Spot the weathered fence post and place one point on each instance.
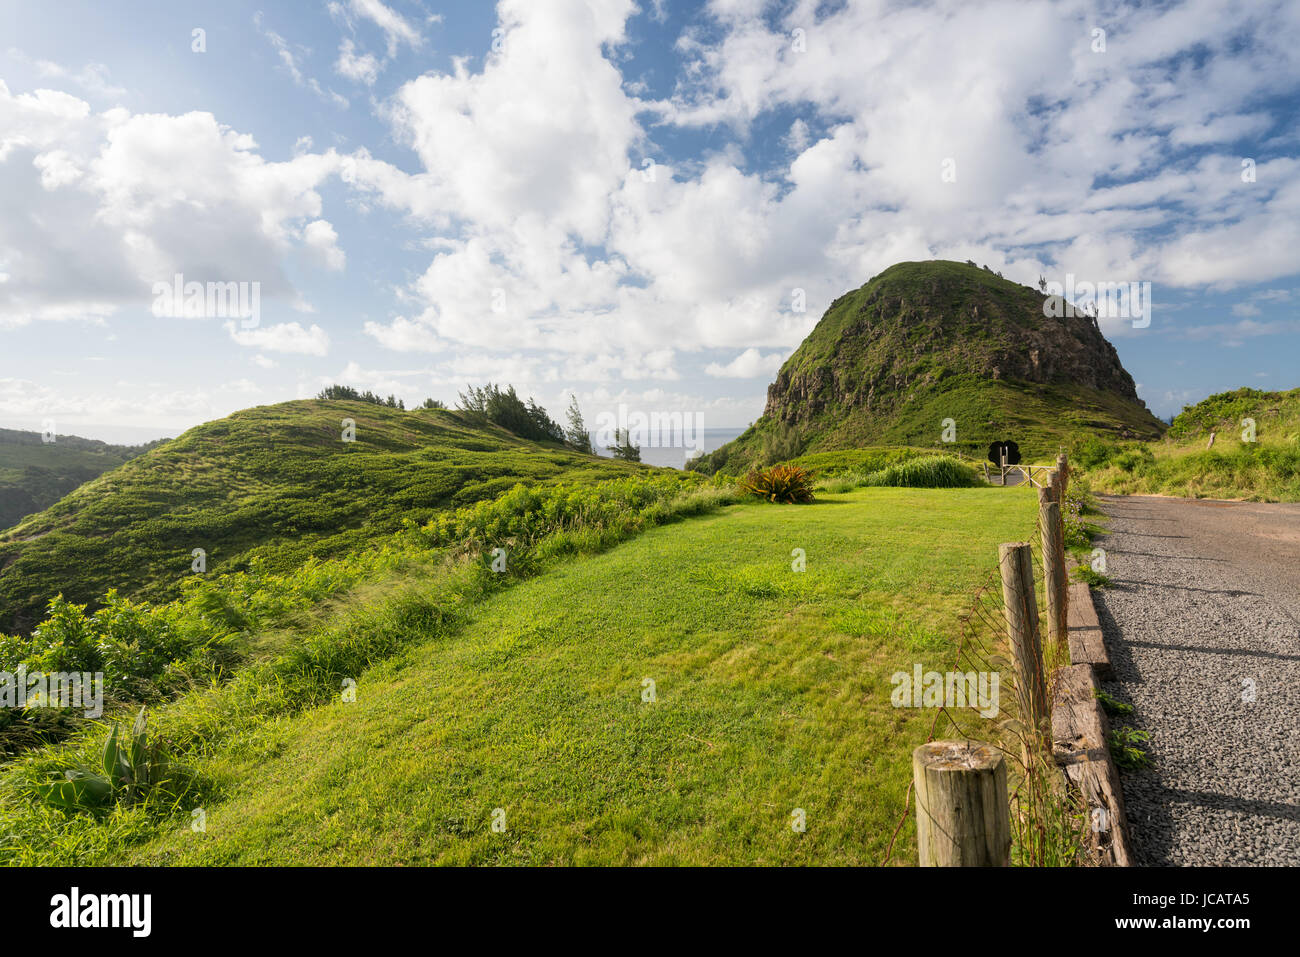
(1020, 605)
(1062, 475)
(962, 815)
(1052, 528)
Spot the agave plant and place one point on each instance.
(780, 483)
(130, 767)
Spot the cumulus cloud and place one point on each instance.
(750, 364)
(984, 130)
(97, 207)
(283, 337)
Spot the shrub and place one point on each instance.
(1134, 459)
(503, 407)
(65, 640)
(1092, 452)
(788, 484)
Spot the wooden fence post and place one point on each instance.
(962, 815)
(1063, 475)
(1054, 580)
(1020, 605)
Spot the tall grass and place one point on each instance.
(1250, 471)
(931, 471)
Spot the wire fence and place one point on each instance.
(1049, 823)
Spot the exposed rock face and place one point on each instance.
(917, 323)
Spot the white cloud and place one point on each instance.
(362, 68)
(93, 78)
(321, 237)
(750, 364)
(283, 337)
(1236, 333)
(290, 61)
(397, 30)
(99, 206)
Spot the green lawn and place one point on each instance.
(772, 694)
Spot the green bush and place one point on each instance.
(1126, 747)
(65, 641)
(1092, 452)
(1134, 459)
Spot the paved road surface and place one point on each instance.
(1205, 616)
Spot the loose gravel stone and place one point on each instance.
(1203, 629)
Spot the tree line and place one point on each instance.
(504, 407)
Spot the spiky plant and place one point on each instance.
(781, 483)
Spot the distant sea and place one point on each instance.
(676, 457)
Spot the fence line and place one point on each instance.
(1048, 823)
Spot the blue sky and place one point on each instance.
(617, 200)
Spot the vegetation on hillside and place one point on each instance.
(279, 484)
(1256, 462)
(504, 408)
(34, 474)
(149, 652)
(681, 721)
(348, 393)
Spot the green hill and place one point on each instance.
(275, 482)
(35, 474)
(1259, 464)
(928, 341)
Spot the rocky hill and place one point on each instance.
(925, 342)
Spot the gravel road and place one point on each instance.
(1205, 610)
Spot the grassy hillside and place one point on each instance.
(771, 693)
(1266, 469)
(925, 342)
(35, 474)
(274, 482)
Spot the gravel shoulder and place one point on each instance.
(1203, 630)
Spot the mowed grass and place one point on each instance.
(772, 693)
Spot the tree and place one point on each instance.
(339, 392)
(503, 407)
(347, 392)
(433, 404)
(623, 447)
(577, 434)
